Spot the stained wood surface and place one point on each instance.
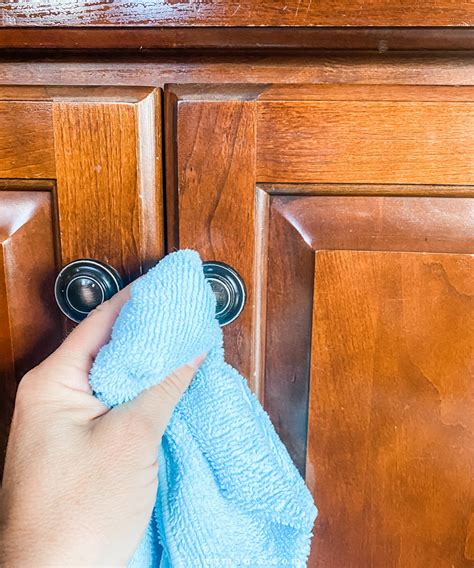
(366, 141)
(102, 145)
(26, 146)
(238, 13)
(159, 69)
(30, 325)
(108, 189)
(344, 92)
(390, 447)
(215, 186)
(58, 93)
(299, 225)
(423, 242)
(101, 150)
(395, 190)
(376, 39)
(388, 223)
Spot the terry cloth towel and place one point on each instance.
(228, 492)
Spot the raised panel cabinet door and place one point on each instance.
(348, 211)
(80, 177)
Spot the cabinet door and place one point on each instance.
(79, 178)
(348, 212)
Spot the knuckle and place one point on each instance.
(68, 358)
(28, 390)
(28, 383)
(172, 387)
(98, 310)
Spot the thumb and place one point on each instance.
(155, 405)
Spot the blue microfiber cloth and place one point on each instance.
(228, 492)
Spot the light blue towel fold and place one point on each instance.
(228, 493)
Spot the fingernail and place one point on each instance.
(199, 360)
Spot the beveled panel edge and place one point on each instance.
(308, 92)
(395, 190)
(110, 94)
(209, 92)
(38, 184)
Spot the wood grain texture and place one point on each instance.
(469, 549)
(390, 448)
(108, 182)
(26, 145)
(104, 200)
(30, 324)
(387, 510)
(376, 39)
(103, 146)
(421, 224)
(301, 224)
(344, 92)
(366, 142)
(159, 69)
(216, 192)
(238, 13)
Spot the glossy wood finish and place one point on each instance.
(161, 68)
(30, 325)
(109, 183)
(366, 142)
(214, 185)
(27, 148)
(210, 119)
(356, 268)
(330, 92)
(390, 455)
(238, 13)
(395, 190)
(376, 39)
(276, 233)
(101, 149)
(300, 225)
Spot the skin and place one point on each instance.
(80, 480)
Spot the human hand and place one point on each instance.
(80, 480)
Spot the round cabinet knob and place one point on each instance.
(84, 284)
(229, 288)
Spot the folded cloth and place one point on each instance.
(228, 492)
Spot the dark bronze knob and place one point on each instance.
(229, 288)
(84, 284)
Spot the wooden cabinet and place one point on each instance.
(80, 176)
(348, 211)
(325, 152)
